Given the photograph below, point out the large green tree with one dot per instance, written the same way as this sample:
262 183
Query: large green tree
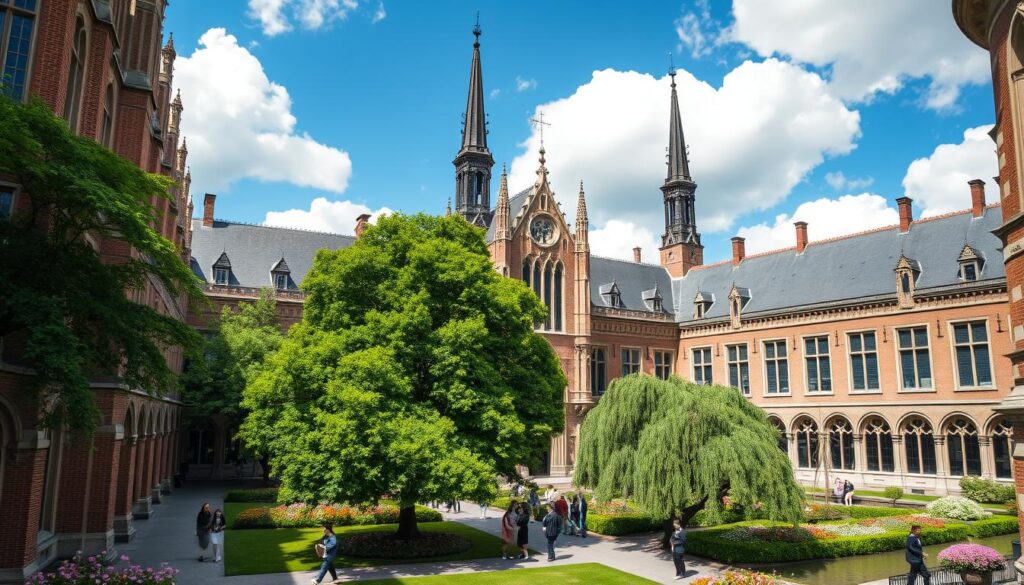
231 354
676 448
64 312
415 373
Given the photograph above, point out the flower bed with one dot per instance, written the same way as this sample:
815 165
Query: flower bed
81 570
306 516
385 545
971 557
268 495
959 508
741 577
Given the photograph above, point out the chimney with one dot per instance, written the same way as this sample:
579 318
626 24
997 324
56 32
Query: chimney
906 213
361 222
739 250
977 197
636 254
801 236
208 202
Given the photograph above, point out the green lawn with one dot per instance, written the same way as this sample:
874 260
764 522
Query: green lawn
583 574
285 550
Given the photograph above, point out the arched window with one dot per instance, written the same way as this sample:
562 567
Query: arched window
107 131
1002 447
76 76
840 443
526 272
905 283
536 278
479 188
783 440
878 444
598 372
964 451
547 294
557 307
806 431
919 442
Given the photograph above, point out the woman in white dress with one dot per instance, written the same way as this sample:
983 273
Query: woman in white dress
217 526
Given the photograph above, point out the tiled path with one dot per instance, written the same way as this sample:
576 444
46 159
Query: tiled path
168 537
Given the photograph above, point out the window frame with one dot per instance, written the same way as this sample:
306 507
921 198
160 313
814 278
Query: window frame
899 362
227 276
15 191
957 386
666 363
935 447
764 367
879 451
604 368
34 14
639 364
710 364
729 364
963 270
817 357
277 277
849 362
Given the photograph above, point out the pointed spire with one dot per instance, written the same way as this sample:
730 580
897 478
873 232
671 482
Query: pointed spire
502 212
177 99
678 165
169 47
582 220
474 128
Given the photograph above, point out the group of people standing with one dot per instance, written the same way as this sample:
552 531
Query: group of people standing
563 517
842 489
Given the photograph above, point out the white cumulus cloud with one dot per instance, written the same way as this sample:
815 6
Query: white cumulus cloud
871 46
525 84
380 14
324 215
278 16
839 181
938 182
751 141
239 123
618 238
826 218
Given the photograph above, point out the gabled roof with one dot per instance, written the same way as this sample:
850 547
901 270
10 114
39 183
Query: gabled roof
515 207
281 266
255 247
222 261
851 267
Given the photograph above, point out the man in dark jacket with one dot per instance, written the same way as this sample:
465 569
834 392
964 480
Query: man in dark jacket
552 526
916 557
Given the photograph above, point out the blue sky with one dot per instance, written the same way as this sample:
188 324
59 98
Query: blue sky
381 87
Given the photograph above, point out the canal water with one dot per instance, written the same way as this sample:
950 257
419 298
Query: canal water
859 569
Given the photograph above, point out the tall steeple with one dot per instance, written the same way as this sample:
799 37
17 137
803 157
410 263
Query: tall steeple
502 211
582 223
680 244
474 161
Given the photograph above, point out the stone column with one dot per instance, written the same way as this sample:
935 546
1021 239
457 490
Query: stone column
23 473
158 449
985 452
143 506
124 531
98 534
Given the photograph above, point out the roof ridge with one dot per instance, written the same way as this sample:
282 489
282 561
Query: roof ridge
276 227
592 256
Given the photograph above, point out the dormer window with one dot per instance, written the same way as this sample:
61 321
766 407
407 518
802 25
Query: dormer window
738 299
652 298
611 295
971 263
280 275
907 271
701 304
222 270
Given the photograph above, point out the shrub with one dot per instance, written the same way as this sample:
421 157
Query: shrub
893 493
621 524
862 512
95 569
971 557
741 577
958 508
986 490
1011 507
254 495
994 526
306 516
824 512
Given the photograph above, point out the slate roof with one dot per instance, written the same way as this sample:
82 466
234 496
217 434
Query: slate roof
634 281
515 205
255 250
846 268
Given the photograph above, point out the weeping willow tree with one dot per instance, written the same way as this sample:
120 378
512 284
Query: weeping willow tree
676 448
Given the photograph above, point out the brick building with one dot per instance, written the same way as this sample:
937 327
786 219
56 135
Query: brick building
998 27
100 65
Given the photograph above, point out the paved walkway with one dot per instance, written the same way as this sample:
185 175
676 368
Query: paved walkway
168 537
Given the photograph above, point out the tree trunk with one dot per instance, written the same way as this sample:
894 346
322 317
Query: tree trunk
685 515
407 528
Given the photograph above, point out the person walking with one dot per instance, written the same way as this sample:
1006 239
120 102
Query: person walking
562 508
203 520
916 557
678 548
574 516
483 509
508 530
848 493
552 527
523 537
329 542
583 516
217 526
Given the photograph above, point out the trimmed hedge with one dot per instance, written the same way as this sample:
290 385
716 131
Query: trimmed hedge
862 512
710 544
301 516
268 495
994 526
621 524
